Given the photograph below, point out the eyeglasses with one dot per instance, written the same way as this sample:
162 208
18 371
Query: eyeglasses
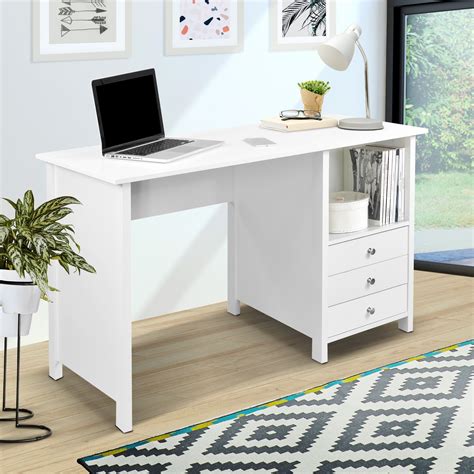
300 115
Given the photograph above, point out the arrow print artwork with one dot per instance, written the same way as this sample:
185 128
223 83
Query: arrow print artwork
70 11
82 29
95 3
65 30
98 20
75 15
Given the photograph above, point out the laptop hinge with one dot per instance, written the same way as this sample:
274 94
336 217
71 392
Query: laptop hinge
132 144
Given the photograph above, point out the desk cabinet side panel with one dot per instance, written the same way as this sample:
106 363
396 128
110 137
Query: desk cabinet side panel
275 211
406 324
92 311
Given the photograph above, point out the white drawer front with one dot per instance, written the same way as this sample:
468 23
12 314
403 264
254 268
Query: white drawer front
357 313
367 250
367 280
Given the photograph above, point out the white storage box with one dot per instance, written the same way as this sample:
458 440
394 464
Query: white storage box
348 212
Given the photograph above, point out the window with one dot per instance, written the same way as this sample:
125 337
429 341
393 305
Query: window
430 55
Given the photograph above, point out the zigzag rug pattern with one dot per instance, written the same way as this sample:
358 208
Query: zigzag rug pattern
413 415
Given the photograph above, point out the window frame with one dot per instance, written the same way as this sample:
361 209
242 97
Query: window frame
397 11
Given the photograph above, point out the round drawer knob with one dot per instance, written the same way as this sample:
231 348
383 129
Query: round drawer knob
371 310
371 281
371 251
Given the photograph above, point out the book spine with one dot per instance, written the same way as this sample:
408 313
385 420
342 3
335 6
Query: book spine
387 190
352 175
397 199
383 188
274 126
394 190
395 185
401 204
389 186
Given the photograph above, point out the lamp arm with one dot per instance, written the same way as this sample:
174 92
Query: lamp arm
366 71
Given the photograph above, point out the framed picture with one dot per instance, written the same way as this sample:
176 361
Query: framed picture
81 29
203 26
300 24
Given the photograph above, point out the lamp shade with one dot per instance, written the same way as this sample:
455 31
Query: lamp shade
337 52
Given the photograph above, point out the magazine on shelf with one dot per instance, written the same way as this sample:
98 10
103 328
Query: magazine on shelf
363 173
393 184
378 172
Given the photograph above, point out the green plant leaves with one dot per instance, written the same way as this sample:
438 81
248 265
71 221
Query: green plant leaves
50 217
12 204
317 87
54 204
16 259
34 238
4 231
29 203
41 246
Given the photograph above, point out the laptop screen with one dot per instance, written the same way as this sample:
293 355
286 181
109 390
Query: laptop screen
128 109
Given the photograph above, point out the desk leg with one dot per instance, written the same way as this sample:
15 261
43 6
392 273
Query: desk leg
233 304
55 364
123 413
406 324
54 354
91 330
319 351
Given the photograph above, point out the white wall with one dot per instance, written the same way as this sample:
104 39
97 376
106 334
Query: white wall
179 260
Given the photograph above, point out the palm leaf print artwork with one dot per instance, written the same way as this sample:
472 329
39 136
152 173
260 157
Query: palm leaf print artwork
309 15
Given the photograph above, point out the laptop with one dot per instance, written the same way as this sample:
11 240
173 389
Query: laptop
131 124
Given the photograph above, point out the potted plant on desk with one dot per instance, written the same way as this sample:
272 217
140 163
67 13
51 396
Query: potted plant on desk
312 94
29 243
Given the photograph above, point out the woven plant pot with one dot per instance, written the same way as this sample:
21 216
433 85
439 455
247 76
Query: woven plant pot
311 101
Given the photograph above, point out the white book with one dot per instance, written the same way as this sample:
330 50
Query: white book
401 187
383 201
276 123
395 185
388 206
379 172
392 181
386 202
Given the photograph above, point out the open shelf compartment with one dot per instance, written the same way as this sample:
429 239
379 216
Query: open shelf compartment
336 183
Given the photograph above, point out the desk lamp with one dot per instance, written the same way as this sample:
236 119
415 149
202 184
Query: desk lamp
337 53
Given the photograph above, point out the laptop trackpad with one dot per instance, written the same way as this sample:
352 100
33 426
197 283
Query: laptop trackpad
185 149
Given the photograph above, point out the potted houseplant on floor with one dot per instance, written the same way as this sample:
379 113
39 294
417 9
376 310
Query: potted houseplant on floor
30 242
312 94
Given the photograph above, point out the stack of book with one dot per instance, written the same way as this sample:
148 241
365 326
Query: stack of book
276 123
380 173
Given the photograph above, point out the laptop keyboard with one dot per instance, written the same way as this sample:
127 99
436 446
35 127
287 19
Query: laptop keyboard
150 148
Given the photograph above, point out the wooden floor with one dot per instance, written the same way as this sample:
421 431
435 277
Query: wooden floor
200 364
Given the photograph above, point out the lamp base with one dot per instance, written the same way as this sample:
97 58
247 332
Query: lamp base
360 123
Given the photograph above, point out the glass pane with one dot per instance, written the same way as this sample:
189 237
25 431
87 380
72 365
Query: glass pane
439 95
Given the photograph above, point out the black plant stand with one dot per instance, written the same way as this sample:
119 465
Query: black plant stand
26 413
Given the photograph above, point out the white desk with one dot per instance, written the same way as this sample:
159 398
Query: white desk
281 259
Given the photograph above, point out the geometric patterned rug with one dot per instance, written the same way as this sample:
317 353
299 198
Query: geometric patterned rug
410 416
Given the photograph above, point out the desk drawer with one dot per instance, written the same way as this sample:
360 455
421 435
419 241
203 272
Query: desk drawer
358 313
367 280
367 250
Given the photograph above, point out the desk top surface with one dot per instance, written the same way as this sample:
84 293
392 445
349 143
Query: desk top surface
90 162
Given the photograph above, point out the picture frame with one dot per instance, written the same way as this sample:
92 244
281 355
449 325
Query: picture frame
292 23
211 27
81 29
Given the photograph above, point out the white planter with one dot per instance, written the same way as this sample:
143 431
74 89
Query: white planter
9 324
23 299
348 212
